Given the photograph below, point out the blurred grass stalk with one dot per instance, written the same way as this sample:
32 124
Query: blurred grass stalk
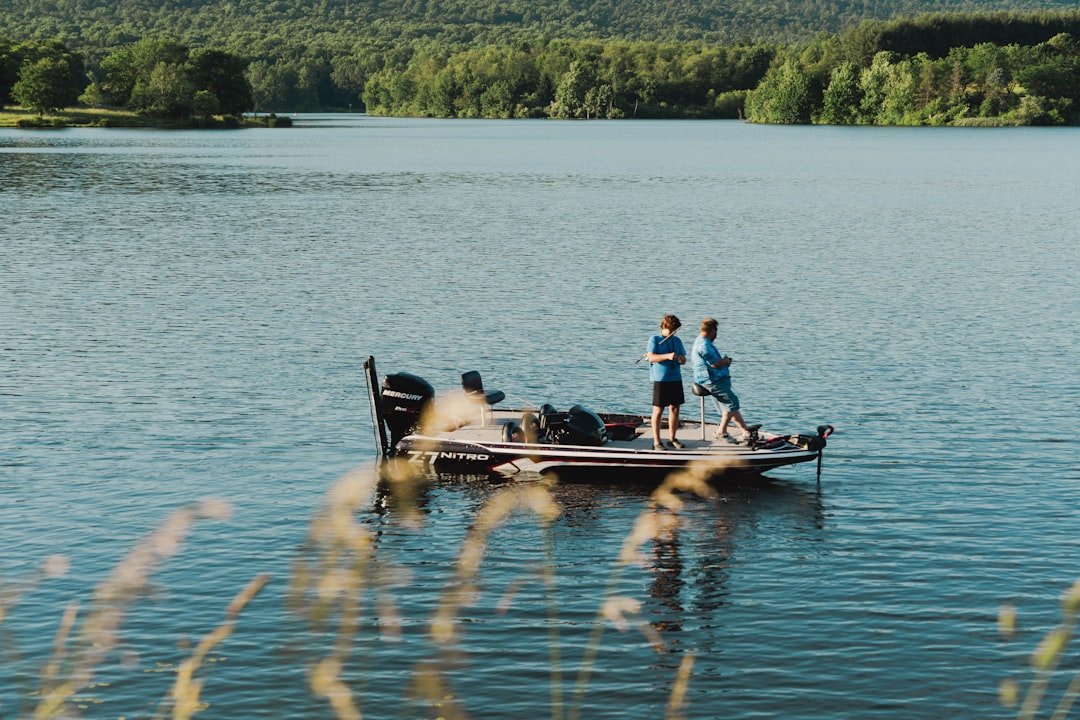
186 689
656 523
335 575
99 632
1045 660
331 579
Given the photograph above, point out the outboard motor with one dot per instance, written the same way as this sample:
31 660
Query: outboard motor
405 398
581 427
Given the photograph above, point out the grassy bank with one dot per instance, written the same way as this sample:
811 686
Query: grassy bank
102 117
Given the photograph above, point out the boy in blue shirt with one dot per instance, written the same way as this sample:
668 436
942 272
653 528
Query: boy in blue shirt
711 371
666 353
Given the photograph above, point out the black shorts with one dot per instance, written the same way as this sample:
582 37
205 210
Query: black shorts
667 393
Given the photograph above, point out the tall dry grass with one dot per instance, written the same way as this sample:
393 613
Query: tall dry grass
1044 662
80 646
339 585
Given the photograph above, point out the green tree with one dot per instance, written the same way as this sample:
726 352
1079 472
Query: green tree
120 73
165 92
349 74
497 100
285 85
9 71
842 100
129 68
570 93
898 105
782 97
204 104
730 104
873 83
600 102
222 75
1038 110
47 85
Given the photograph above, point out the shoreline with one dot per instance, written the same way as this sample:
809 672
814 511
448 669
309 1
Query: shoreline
22 118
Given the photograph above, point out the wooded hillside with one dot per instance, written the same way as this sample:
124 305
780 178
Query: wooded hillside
259 26
553 58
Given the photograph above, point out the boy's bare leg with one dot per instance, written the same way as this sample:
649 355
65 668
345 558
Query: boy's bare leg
657 413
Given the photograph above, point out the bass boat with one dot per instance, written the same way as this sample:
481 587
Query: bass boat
465 432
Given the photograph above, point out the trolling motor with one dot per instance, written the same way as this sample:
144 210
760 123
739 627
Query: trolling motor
823 432
806 442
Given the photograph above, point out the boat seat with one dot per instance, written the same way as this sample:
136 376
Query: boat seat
474 390
530 428
702 392
546 418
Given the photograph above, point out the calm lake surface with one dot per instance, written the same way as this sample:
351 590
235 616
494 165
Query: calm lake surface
184 315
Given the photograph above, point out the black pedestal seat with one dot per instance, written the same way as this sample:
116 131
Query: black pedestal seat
473 386
702 392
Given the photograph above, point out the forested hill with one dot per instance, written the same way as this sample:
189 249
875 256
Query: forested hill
837 61
262 25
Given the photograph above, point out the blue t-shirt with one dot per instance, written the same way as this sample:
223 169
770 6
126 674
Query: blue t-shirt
702 359
667 370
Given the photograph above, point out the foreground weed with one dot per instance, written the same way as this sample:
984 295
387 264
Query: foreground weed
67 672
535 499
1045 660
657 522
330 581
186 689
337 585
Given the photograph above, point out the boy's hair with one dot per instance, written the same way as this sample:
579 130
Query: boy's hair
709 325
670 322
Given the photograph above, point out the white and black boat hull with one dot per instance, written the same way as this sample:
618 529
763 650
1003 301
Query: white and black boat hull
577 443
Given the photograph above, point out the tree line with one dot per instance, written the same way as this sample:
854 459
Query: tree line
161 78
572 80
1009 68
1003 69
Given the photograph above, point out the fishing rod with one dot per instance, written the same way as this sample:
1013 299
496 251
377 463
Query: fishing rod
658 345
756 361
777 362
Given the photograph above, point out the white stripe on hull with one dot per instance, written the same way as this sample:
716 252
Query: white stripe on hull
541 458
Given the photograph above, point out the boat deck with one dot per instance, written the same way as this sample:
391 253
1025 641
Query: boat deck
470 444
689 434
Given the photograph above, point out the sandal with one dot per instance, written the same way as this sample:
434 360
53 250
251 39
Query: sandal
658 446
676 445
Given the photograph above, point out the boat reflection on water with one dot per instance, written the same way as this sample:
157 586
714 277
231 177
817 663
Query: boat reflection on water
687 565
593 592
691 564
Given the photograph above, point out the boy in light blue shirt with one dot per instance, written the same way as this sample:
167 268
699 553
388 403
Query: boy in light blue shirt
666 353
711 371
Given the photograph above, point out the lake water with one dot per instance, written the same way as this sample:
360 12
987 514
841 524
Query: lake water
184 315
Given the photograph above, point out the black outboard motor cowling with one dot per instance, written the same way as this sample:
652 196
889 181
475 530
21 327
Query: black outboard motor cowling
581 427
405 397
